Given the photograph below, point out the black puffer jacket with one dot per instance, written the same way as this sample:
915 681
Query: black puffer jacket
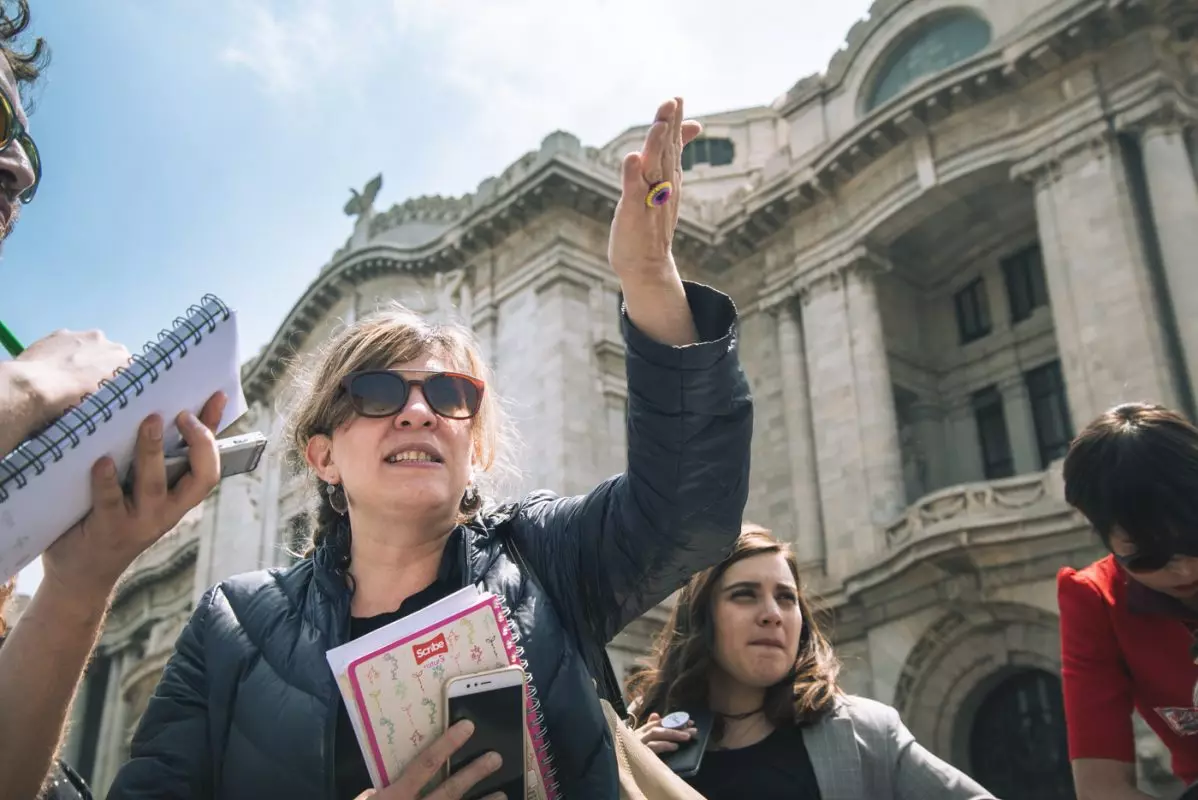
247 706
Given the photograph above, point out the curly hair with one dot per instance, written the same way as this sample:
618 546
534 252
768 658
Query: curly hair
26 63
676 676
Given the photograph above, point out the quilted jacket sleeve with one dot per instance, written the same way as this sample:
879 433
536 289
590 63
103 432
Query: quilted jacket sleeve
608 556
169 756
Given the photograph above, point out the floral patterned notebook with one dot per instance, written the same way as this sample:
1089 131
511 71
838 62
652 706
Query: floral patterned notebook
392 682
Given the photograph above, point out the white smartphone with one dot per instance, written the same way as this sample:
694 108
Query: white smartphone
238 455
494 702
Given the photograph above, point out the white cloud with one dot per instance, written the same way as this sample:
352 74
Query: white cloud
597 66
528 67
305 41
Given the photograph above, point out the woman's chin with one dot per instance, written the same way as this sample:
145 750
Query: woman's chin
416 495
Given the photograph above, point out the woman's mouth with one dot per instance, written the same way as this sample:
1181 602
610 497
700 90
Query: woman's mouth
419 456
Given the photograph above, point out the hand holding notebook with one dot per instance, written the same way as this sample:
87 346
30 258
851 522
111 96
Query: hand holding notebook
88 560
392 682
45 483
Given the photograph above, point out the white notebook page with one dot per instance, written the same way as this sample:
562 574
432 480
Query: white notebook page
33 517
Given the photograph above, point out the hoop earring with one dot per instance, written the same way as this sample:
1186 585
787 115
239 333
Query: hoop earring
470 500
337 499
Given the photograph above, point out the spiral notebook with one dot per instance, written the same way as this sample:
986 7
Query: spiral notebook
393 692
45 484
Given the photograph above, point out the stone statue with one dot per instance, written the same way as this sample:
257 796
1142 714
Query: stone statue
362 207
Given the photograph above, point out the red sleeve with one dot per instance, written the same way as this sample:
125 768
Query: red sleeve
1097 687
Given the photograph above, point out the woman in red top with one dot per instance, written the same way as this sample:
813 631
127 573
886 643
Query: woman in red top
1128 621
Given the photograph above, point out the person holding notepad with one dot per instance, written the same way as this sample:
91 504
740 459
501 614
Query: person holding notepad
43 657
399 427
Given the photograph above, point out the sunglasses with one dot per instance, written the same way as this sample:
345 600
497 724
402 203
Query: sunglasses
384 393
1143 562
1149 560
12 130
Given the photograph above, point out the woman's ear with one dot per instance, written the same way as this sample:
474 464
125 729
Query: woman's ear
319 455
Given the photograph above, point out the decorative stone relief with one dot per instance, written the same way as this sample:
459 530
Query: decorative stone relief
973 502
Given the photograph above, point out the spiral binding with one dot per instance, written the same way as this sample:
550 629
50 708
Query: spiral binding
536 718
131 380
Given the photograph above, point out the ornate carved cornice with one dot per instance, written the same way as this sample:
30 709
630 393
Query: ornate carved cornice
555 181
1083 28
157 565
1152 105
812 276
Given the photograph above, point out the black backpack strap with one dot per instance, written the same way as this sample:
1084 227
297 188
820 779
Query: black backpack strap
594 654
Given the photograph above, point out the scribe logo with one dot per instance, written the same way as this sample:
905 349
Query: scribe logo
426 650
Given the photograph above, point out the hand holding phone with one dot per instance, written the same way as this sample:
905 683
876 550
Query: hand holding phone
494 702
411 782
238 455
679 739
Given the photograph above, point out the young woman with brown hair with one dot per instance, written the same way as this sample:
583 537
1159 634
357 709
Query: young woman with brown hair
742 643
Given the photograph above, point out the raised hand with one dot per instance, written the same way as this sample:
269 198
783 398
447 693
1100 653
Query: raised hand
641 232
85 563
411 782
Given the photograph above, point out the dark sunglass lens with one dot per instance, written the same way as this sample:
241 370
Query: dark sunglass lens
35 162
1145 562
378 394
452 396
8 121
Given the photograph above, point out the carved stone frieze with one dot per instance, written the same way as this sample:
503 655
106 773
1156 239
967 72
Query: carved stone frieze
970 504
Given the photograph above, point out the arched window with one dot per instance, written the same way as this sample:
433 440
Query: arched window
716 152
933 45
1017 745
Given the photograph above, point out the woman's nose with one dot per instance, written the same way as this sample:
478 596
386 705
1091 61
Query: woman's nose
416 411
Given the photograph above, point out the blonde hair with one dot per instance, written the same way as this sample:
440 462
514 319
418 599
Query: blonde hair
393 335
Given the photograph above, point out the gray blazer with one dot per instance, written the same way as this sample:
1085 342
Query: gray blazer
863 751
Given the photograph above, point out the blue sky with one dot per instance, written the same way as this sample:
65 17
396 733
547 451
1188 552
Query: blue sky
197 146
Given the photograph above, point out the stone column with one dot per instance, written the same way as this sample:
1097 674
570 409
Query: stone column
858 460
800 439
927 423
965 455
112 726
552 384
1173 192
875 403
1021 427
1111 343
484 322
235 542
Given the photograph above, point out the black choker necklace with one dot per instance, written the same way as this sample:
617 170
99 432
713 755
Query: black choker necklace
745 715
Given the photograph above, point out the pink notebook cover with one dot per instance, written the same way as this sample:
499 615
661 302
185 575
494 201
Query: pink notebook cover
429 657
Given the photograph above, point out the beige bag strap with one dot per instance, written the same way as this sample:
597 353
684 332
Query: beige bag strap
643 776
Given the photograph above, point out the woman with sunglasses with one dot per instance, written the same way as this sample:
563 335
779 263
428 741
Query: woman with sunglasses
1128 620
399 427
742 648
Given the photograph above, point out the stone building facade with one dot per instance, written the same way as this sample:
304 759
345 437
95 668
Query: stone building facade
962 241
